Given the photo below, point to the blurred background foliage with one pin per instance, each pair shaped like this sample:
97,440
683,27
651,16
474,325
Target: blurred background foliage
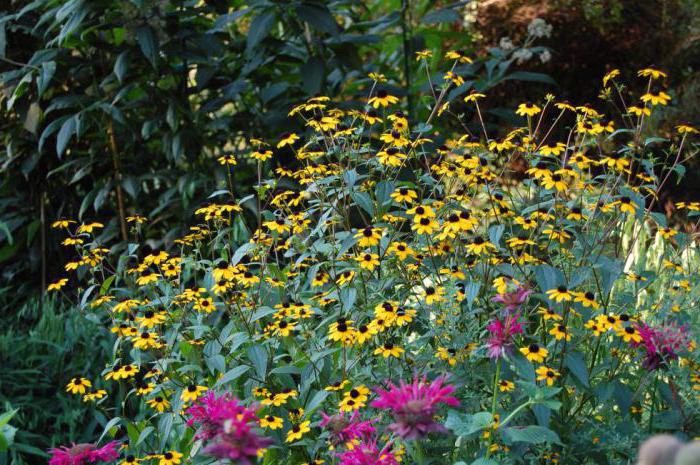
111,108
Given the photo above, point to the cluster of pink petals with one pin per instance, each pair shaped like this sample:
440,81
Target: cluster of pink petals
413,406
513,300
367,453
344,429
501,333
229,427
662,343
80,454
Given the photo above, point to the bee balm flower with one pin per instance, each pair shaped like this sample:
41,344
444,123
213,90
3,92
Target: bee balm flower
414,406
80,454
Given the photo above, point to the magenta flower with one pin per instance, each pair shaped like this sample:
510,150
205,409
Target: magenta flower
80,454
414,406
230,427
513,300
344,429
501,332
662,344
367,453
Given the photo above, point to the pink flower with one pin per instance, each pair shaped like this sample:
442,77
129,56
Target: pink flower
367,453
229,426
513,300
344,429
501,335
662,344
414,406
80,454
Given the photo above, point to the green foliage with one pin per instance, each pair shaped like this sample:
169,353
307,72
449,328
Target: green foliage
40,351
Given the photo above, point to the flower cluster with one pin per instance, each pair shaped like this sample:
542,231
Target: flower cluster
528,264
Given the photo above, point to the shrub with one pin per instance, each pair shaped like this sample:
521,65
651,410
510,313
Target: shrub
408,296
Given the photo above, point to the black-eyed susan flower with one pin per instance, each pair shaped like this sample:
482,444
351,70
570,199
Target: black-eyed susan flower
95,395
261,155
559,332
297,431
587,299
78,385
369,236
159,403
388,350
170,458
658,98
506,386
629,334
192,392
382,99
560,294
368,261
55,286
287,139
404,194
534,353
549,375
272,422
527,109
480,246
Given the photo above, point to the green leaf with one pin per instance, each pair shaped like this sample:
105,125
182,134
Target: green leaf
312,73
232,375
48,68
258,357
319,16
64,134
530,76
577,364
259,29
110,424
463,424
316,401
120,65
531,434
148,42
443,15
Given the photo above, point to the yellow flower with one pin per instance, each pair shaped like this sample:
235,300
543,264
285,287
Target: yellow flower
368,261
382,99
423,54
473,97
404,194
287,139
506,386
660,98
534,353
158,403
425,226
480,246
57,285
261,155
192,392
433,294
227,160
297,431
629,334
560,294
96,395
609,76
559,332
527,109
170,458
651,73
587,299
547,374
78,385
389,350
271,422
369,236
